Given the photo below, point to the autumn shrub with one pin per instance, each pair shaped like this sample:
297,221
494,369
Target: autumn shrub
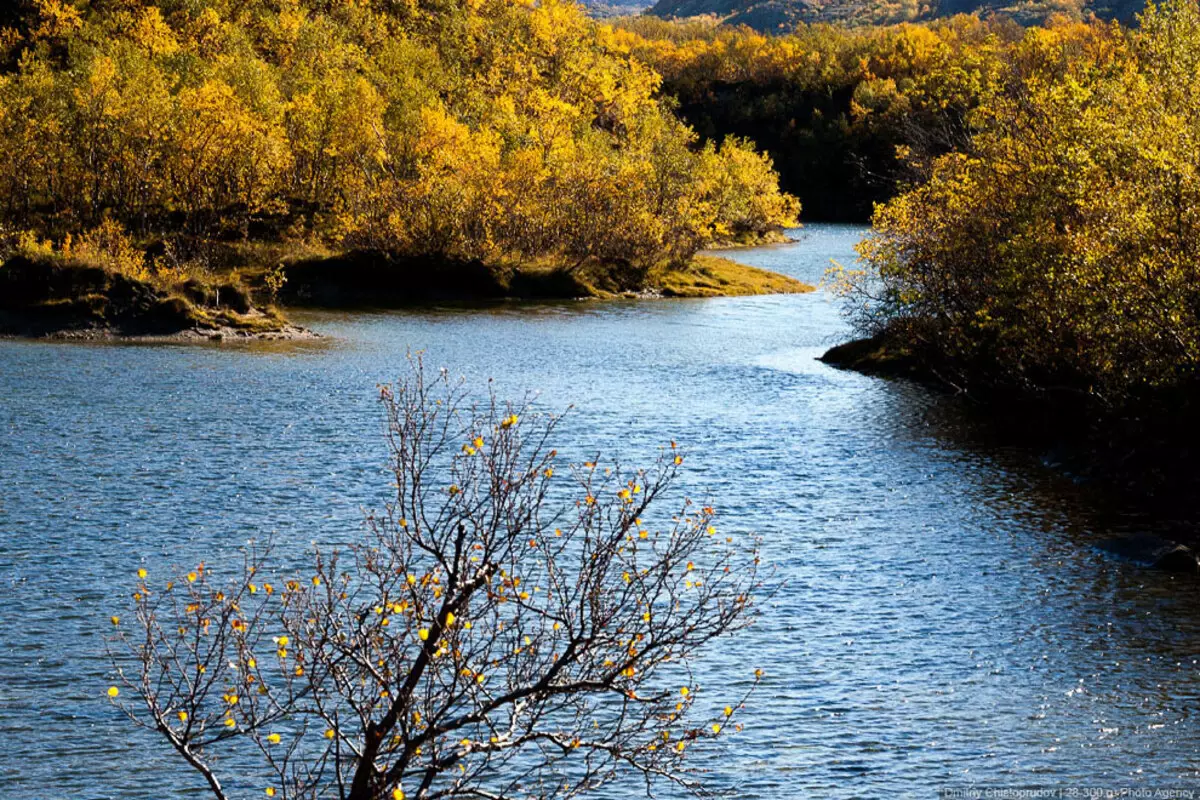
1060,250
107,246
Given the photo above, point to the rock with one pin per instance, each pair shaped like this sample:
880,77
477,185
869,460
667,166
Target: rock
854,353
1178,559
1153,552
883,357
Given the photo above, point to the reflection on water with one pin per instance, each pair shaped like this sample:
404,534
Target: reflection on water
943,618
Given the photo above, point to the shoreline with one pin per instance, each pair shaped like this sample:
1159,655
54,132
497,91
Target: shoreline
47,296
875,355
224,334
66,302
368,280
744,243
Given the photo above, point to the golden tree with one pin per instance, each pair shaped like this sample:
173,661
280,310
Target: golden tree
501,629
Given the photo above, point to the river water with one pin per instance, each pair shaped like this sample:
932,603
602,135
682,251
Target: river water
944,618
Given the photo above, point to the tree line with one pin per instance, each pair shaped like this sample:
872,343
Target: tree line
489,130
1035,193
842,111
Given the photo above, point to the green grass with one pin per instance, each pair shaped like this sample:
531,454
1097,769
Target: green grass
47,293
713,276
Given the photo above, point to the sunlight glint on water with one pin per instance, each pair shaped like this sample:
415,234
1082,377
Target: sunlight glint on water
942,616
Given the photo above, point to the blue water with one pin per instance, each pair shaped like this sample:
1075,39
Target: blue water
943,618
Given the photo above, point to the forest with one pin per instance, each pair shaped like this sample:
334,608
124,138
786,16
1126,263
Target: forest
1056,251
844,112
789,16
168,138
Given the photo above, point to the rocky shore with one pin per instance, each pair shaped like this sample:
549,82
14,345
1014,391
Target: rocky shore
61,299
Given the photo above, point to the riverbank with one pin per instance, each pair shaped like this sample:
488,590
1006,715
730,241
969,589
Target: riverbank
878,356
20,329
714,276
753,239
47,296
373,280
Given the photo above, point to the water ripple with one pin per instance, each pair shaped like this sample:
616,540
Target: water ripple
942,616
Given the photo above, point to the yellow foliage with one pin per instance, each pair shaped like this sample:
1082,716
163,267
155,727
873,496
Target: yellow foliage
492,130
153,34
1061,249
56,19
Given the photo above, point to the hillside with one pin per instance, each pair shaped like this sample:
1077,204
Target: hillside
603,9
786,15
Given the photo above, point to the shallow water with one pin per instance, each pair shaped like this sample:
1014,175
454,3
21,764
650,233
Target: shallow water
944,618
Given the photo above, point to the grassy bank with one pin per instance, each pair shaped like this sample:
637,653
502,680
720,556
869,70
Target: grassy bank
95,293
713,276
55,296
370,279
878,355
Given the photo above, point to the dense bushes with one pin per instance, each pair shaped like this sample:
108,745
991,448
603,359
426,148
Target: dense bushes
1043,228
497,129
850,116
1060,249
832,105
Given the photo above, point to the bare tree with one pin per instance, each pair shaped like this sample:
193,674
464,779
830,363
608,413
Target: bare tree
500,630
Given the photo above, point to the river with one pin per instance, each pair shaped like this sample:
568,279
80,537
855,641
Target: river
944,618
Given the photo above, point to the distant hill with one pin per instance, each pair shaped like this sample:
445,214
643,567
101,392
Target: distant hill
774,16
601,9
